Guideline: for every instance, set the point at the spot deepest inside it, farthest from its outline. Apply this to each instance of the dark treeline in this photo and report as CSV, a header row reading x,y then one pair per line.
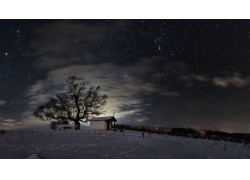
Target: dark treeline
x,y
189,132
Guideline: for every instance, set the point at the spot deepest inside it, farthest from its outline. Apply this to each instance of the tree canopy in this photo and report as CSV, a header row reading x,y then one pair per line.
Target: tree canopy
x,y
78,104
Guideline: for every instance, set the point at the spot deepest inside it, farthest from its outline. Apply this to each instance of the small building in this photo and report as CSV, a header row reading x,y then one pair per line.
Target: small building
x,y
102,123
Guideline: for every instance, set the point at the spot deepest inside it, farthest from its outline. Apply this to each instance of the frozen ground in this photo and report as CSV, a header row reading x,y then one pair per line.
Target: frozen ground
x,y
90,144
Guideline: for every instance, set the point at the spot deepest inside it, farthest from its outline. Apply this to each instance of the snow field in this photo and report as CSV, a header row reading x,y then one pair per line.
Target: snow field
x,y
91,144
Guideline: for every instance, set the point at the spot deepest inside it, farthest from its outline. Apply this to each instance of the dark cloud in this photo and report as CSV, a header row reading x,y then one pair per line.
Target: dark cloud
x,y
65,43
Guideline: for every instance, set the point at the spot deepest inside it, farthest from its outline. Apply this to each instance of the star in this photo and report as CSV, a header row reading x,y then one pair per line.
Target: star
x,y
6,54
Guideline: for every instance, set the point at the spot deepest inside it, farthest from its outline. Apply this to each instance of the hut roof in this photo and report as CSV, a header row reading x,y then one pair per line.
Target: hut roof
x,y
107,118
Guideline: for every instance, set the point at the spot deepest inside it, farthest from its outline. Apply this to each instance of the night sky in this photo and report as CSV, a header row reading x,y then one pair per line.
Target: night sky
x,y
169,73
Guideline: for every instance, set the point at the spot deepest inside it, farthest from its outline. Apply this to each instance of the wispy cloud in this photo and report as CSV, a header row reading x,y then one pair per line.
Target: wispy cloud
x,y
8,124
236,80
2,102
197,77
9,120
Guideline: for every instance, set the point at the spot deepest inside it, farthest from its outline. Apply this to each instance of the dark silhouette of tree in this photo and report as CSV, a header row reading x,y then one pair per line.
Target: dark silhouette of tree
x,y
77,105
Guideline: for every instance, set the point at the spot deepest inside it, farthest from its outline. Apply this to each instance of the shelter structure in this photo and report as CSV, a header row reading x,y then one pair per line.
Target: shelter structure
x,y
102,123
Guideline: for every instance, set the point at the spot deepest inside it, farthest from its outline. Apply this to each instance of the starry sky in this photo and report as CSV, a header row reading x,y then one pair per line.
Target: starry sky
x,y
165,72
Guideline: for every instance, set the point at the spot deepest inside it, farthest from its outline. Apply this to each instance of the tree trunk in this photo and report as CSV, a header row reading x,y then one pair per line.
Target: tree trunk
x,y
77,125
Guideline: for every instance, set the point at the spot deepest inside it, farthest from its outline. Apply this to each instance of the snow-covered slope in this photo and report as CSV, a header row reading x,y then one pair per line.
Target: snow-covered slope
x,y
90,144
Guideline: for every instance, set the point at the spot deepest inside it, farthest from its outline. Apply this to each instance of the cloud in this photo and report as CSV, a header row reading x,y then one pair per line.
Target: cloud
x,y
141,119
236,80
125,92
197,77
27,118
16,102
120,90
62,43
9,120
8,124
2,102
153,65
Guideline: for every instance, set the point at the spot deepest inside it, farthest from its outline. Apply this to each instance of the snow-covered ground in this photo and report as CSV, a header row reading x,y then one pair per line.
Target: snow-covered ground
x,y
89,144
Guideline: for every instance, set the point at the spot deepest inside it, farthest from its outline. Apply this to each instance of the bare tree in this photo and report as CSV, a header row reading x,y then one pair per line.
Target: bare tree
x,y
77,105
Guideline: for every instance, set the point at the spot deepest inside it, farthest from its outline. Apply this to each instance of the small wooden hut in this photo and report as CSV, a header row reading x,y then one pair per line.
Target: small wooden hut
x,y
102,123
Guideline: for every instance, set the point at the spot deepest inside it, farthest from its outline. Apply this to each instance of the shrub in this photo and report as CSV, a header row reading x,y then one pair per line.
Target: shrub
x,y
53,125
2,131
